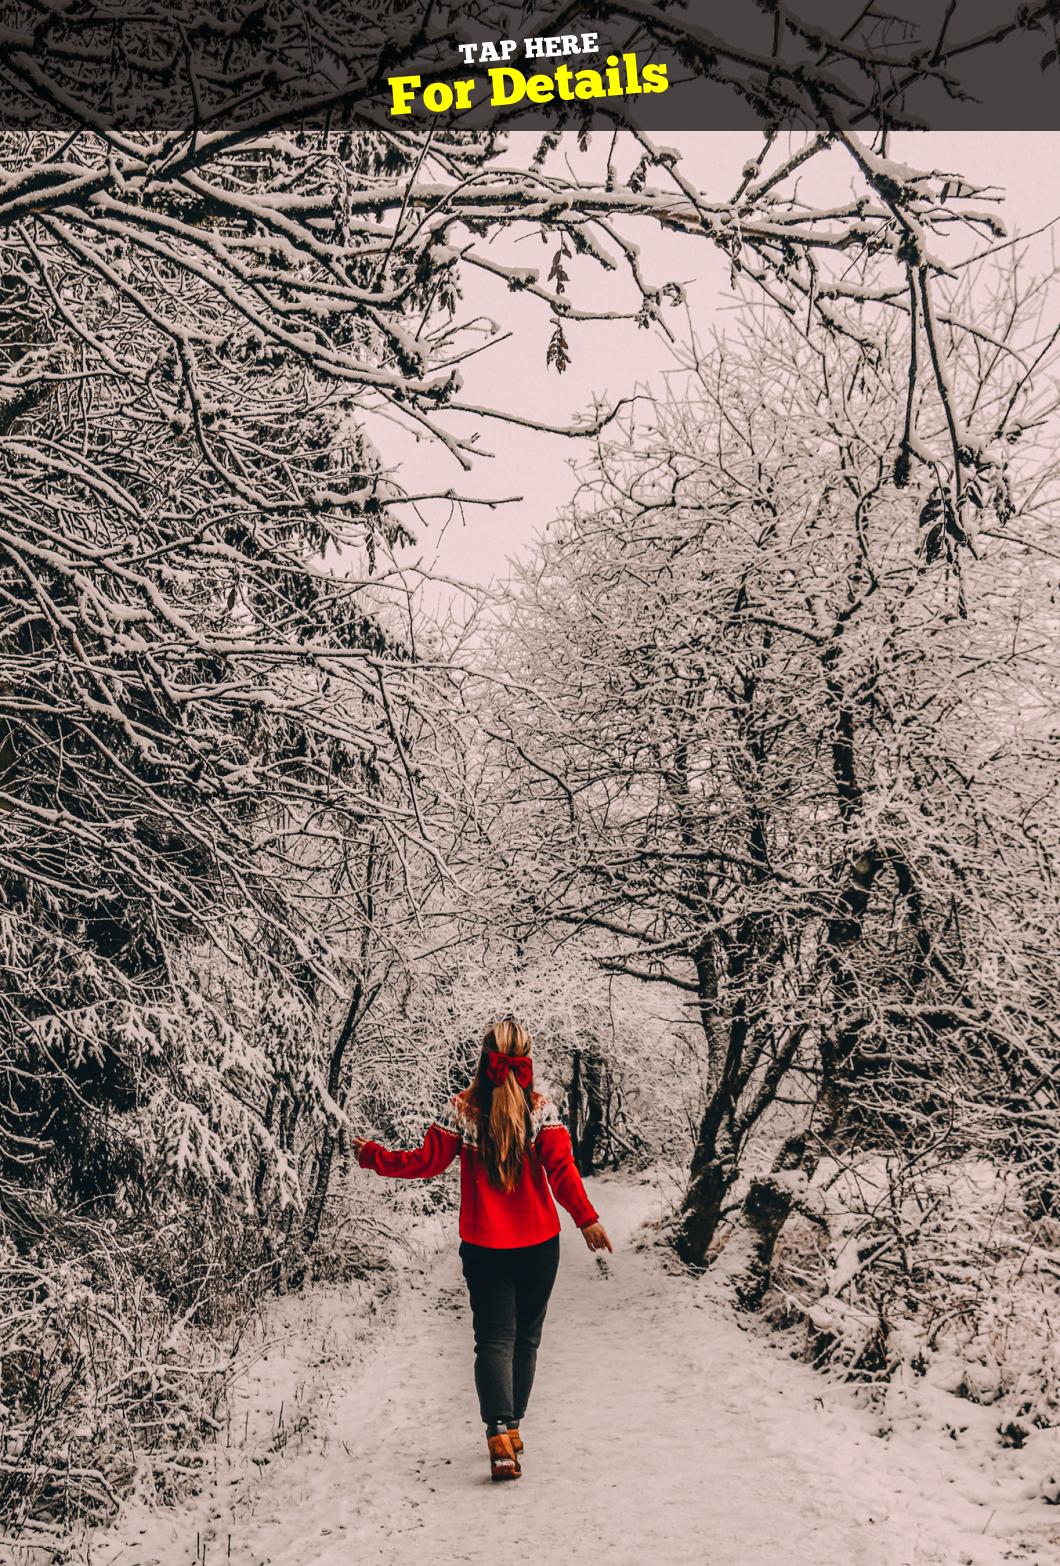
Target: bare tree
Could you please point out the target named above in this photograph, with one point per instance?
(763, 714)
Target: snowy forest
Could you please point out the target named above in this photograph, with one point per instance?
(740, 787)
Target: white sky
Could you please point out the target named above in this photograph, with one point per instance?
(611, 359)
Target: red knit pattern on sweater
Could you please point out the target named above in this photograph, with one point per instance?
(524, 1216)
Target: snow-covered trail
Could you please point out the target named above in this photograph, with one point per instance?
(659, 1432)
(643, 1444)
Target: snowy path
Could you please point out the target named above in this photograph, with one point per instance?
(659, 1432)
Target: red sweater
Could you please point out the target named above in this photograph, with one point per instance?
(525, 1216)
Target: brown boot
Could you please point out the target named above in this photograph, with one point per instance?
(517, 1441)
(503, 1462)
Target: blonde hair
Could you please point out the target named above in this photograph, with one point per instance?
(502, 1109)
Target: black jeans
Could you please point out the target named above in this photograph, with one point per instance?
(509, 1289)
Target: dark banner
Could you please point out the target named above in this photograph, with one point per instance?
(929, 64)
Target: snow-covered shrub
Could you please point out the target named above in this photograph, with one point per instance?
(103, 1383)
(924, 1281)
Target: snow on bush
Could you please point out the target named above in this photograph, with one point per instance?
(102, 1384)
(930, 1285)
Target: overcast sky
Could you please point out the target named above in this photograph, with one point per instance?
(610, 359)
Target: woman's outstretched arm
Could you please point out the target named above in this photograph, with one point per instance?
(437, 1151)
(554, 1147)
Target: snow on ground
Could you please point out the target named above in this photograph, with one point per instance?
(660, 1431)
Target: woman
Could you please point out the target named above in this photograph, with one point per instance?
(512, 1148)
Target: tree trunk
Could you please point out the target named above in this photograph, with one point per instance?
(766, 1209)
(702, 1209)
(359, 1004)
(592, 1126)
(574, 1097)
(714, 1164)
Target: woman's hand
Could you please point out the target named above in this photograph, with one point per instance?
(357, 1142)
(596, 1238)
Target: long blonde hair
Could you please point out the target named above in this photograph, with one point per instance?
(502, 1109)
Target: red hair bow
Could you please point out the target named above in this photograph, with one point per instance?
(498, 1067)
